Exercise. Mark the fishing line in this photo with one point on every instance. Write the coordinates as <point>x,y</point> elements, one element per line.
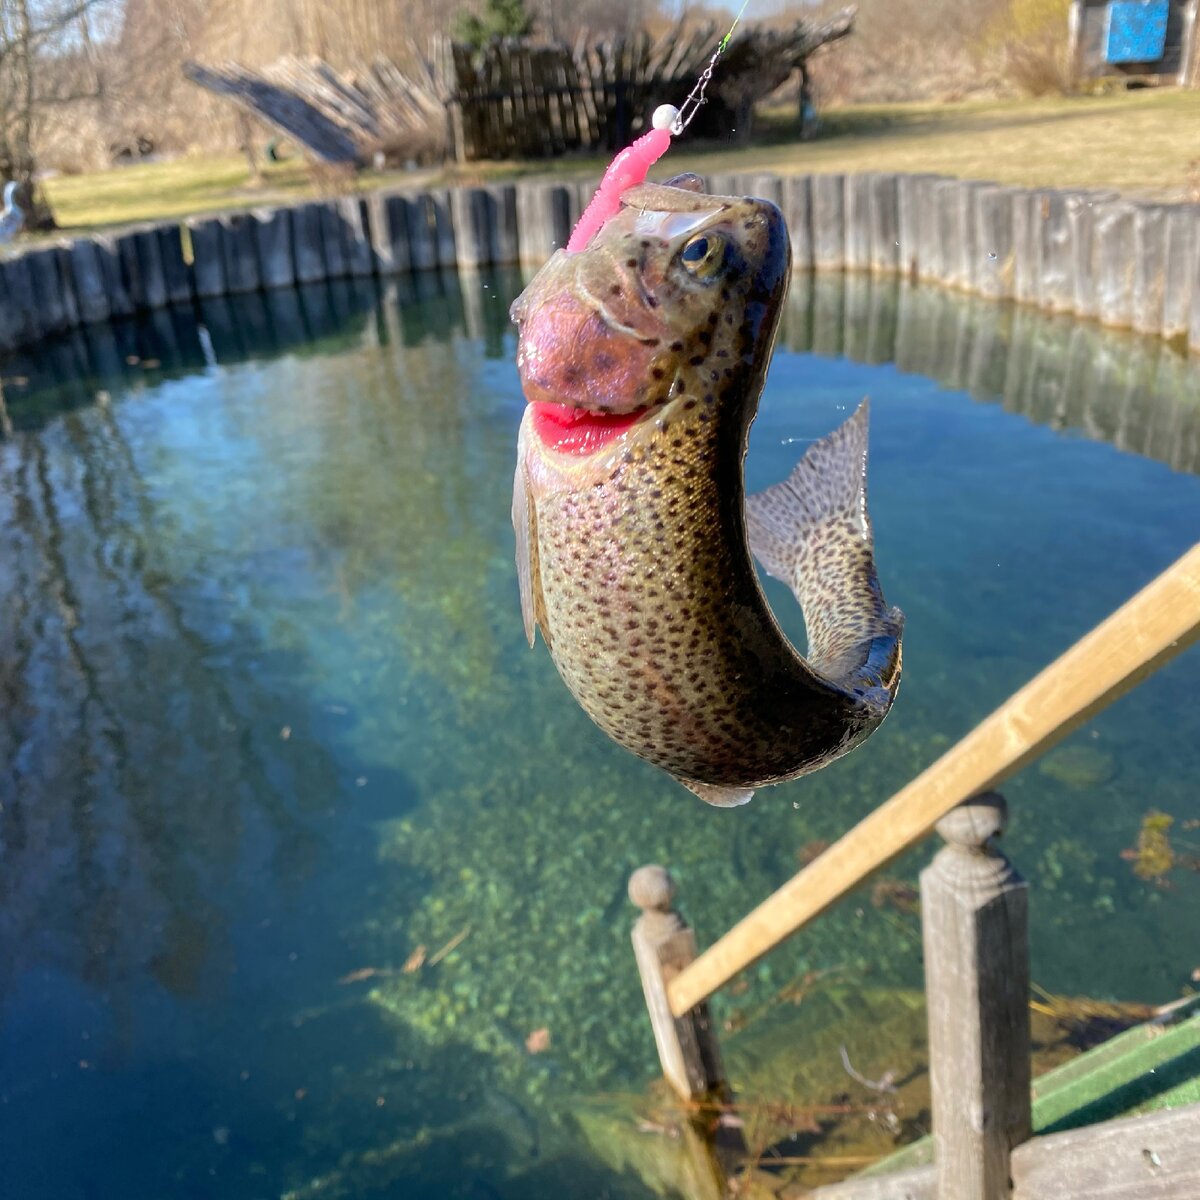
<point>695,98</point>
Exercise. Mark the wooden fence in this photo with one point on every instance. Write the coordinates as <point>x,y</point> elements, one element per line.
<point>975,943</point>
<point>1122,263</point>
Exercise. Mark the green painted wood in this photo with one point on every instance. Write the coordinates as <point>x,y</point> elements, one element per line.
<point>1150,1067</point>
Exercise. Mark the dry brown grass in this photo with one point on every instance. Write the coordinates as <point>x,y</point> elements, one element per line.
<point>1142,143</point>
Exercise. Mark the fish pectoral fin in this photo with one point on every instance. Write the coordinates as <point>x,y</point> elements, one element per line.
<point>528,576</point>
<point>718,795</point>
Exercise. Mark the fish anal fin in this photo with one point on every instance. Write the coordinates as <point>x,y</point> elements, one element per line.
<point>719,795</point>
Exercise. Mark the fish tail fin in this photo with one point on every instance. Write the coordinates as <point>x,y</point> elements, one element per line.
<point>813,532</point>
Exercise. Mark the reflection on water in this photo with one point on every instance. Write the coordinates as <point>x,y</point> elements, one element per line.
<point>299,843</point>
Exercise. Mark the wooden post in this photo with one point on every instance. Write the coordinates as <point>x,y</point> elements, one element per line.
<point>308,243</point>
<point>992,236</point>
<point>1113,265</point>
<point>116,285</point>
<point>543,221</point>
<point>152,284</point>
<point>912,198</point>
<point>885,240</point>
<point>273,243</point>
<point>177,274</point>
<point>240,252</point>
<point>1183,232</point>
<point>88,280</point>
<point>974,919</point>
<point>208,263</point>
<point>1027,209</point>
<point>1055,283</point>
<point>858,220</point>
<point>1081,213</point>
<point>356,235</point>
<point>1194,322</point>
<point>442,224</point>
<point>47,300</point>
<point>334,240</point>
<point>663,945</point>
<point>503,238</point>
<point>474,213</point>
<point>1149,275</point>
<point>423,251</point>
<point>829,222</point>
<point>798,213</point>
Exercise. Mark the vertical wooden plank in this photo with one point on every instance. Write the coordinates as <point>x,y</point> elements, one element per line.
<point>273,244</point>
<point>388,219</point>
<point>1150,268</point>
<point>239,249</point>
<point>931,249</point>
<point>829,215</point>
<point>1056,283</point>
<point>857,218</point>
<point>1081,213</point>
<point>1181,235</point>
<point>473,212</point>
<point>543,221</point>
<point>112,271</point>
<point>503,240</point>
<point>423,250</point>
<point>308,243</point>
<point>208,261</point>
<point>911,199</point>
<point>442,224</point>
<point>12,307</point>
<point>975,936</point>
<point>884,221</point>
<point>992,237</point>
<point>1194,321</point>
<point>1027,246</point>
<point>356,236</point>
<point>177,274</point>
<point>663,945</point>
<point>87,275</point>
<point>798,213</point>
<point>765,187</point>
<point>147,248</point>
<point>50,306</point>
<point>1113,265</point>
<point>333,239</point>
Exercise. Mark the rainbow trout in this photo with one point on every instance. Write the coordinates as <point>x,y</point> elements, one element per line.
<point>642,358</point>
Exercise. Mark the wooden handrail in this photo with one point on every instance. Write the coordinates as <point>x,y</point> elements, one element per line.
<point>1144,633</point>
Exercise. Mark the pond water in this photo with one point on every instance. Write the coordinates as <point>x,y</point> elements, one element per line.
<point>299,842</point>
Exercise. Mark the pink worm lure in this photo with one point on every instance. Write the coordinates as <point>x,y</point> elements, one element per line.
<point>625,171</point>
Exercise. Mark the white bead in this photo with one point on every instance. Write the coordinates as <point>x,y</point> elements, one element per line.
<point>665,116</point>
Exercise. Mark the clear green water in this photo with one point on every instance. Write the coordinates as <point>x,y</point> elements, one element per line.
<point>268,720</point>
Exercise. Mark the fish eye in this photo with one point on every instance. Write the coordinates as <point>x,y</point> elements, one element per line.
<point>703,255</point>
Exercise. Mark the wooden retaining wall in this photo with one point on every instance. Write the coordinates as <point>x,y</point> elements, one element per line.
<point>1121,262</point>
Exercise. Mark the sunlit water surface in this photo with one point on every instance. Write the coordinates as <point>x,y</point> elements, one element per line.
<point>271,733</point>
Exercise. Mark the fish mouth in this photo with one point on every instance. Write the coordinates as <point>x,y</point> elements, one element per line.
<point>582,432</point>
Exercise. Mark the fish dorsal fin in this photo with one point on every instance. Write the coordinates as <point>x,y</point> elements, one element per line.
<point>812,531</point>
<point>524,518</point>
<point>718,795</point>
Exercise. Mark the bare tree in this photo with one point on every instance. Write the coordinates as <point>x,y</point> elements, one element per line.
<point>35,36</point>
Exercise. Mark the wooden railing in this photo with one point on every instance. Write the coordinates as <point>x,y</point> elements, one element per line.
<point>973,918</point>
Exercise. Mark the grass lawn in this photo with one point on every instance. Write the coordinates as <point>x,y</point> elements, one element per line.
<point>1145,142</point>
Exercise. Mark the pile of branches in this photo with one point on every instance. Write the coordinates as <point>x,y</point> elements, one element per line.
<point>517,97</point>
